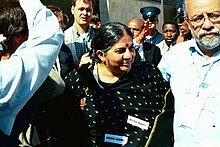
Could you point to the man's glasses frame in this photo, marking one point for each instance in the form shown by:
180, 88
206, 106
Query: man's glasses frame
199, 20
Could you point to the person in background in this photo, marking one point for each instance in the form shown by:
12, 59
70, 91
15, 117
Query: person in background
170, 32
125, 103
150, 16
192, 68
64, 62
48, 123
185, 32
145, 51
95, 21
60, 15
136, 25
78, 37
32, 49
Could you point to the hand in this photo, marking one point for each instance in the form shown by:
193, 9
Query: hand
83, 103
3, 46
145, 32
2, 40
85, 59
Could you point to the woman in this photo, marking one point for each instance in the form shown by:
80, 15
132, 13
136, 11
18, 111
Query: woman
125, 103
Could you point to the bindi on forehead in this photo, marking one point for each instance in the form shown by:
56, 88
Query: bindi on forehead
127, 44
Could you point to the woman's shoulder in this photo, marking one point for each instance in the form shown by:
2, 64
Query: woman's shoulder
78, 74
143, 66
144, 70
145, 73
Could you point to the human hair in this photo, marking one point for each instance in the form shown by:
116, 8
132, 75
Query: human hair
74, 2
55, 10
95, 19
12, 20
137, 21
106, 36
173, 23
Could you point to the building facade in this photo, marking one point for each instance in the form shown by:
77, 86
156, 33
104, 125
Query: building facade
121, 10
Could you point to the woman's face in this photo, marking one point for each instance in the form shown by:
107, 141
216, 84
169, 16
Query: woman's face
120, 57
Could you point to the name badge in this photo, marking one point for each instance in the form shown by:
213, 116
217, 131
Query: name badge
137, 122
122, 140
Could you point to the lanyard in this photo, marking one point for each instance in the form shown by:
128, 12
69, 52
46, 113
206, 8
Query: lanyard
203, 84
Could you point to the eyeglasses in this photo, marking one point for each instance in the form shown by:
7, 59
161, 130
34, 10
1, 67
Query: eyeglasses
199, 20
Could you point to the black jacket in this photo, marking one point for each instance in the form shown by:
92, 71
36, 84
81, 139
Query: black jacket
151, 53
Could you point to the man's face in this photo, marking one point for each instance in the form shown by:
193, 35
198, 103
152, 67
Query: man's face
152, 24
169, 33
135, 27
83, 12
184, 28
204, 20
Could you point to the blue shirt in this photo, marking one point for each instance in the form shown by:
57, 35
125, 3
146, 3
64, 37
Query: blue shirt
23, 73
195, 84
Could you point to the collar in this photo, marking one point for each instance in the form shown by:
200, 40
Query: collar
90, 31
195, 48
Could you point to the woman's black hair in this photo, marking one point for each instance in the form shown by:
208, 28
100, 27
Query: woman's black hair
106, 36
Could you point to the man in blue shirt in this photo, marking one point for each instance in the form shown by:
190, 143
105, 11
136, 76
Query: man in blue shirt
192, 68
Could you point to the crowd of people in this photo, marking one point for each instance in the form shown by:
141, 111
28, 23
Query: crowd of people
109, 84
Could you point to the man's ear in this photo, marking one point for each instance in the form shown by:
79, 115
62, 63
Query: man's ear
72, 10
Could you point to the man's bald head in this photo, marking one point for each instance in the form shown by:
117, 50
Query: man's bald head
136, 25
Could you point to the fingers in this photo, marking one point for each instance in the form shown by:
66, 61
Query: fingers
145, 32
2, 43
82, 103
146, 28
85, 59
86, 55
146, 24
2, 38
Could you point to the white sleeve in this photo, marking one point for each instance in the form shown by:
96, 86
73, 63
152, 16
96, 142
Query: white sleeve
164, 68
24, 72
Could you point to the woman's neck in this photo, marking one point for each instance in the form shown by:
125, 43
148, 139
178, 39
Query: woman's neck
105, 75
